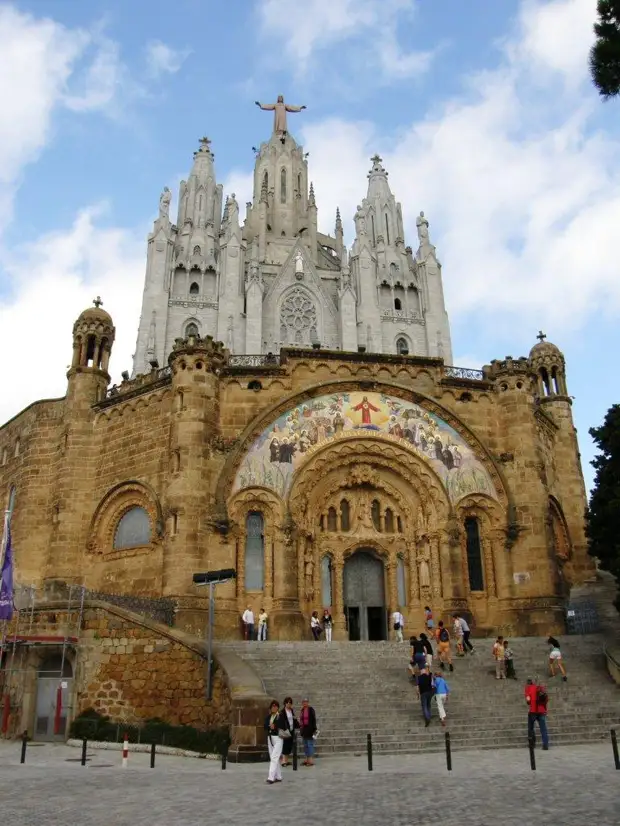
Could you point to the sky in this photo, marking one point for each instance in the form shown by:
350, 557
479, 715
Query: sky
483, 112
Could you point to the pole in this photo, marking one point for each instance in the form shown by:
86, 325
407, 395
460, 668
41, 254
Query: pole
22, 759
224, 755
448, 752
210, 641
84, 747
125, 750
294, 751
614, 746
153, 747
369, 750
58, 711
530, 741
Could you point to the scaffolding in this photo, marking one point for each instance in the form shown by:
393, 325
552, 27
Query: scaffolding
36, 691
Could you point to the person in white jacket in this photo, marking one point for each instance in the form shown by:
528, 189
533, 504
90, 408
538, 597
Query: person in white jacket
398, 623
248, 622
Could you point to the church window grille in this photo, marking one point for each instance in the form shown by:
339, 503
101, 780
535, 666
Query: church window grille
474, 554
194, 288
402, 346
345, 516
375, 511
283, 186
332, 520
191, 329
133, 529
387, 230
397, 304
326, 581
254, 551
401, 583
389, 521
298, 318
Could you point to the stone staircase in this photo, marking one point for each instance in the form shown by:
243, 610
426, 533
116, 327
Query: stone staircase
360, 688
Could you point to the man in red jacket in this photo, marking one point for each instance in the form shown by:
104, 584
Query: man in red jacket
537, 701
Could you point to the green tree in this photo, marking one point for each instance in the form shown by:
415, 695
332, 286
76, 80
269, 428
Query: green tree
605, 54
603, 517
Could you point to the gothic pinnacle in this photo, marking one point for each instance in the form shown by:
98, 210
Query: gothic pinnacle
311, 197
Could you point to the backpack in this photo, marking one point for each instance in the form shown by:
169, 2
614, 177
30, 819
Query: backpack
444, 636
542, 697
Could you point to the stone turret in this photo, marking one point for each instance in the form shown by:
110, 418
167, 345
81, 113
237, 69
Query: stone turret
93, 337
195, 364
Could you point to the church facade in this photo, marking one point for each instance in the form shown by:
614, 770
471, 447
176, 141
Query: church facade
293, 414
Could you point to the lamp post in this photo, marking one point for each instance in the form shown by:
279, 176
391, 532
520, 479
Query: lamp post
212, 578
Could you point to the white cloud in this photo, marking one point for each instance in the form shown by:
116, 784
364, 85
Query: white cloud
98, 86
163, 59
55, 278
301, 29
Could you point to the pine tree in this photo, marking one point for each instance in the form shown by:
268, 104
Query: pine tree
603, 517
605, 54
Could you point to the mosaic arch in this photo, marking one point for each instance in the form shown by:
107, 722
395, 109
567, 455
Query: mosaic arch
285, 444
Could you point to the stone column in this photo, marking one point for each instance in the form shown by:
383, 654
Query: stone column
392, 589
340, 631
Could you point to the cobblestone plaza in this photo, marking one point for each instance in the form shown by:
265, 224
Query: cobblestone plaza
570, 786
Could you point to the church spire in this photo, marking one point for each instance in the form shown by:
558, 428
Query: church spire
378, 186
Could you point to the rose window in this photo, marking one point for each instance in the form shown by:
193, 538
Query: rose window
298, 318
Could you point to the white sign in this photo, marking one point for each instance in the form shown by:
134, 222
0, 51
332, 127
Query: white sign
64, 685
570, 613
521, 578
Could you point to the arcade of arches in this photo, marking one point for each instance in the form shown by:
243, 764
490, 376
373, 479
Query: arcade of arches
367, 526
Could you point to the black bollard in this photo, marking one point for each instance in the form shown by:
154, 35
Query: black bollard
84, 747
448, 752
224, 756
24, 744
614, 746
530, 741
294, 752
153, 747
369, 750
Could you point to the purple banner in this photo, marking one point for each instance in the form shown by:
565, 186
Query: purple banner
6, 576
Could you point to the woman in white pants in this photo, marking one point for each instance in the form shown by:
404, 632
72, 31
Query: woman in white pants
327, 625
274, 744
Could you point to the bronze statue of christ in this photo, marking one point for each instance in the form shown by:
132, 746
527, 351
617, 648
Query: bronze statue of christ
280, 108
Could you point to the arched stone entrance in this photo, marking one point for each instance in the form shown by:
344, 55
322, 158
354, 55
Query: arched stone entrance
364, 596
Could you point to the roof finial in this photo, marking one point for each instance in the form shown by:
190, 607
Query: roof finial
98, 302
541, 336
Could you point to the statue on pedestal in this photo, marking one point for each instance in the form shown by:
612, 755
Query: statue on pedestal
280, 108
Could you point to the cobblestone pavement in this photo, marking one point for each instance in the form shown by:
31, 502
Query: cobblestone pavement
571, 786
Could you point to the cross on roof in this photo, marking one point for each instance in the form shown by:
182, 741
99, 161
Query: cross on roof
97, 302
541, 336
204, 142
376, 159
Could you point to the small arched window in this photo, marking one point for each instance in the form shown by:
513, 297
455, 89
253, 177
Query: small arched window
194, 288
375, 511
401, 583
254, 551
5, 456
474, 554
402, 346
191, 330
283, 186
18, 447
133, 529
11, 503
345, 516
196, 251
398, 304
372, 224
389, 521
546, 384
555, 382
332, 520
326, 581
299, 184
90, 351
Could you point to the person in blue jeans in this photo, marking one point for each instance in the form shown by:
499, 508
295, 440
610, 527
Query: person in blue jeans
537, 702
425, 693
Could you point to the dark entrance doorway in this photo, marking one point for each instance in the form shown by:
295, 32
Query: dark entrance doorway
364, 596
54, 685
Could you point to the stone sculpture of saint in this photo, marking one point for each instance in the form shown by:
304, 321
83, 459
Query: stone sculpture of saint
280, 108
422, 225
425, 576
164, 203
299, 264
233, 210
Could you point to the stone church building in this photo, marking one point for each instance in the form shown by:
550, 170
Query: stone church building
293, 413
